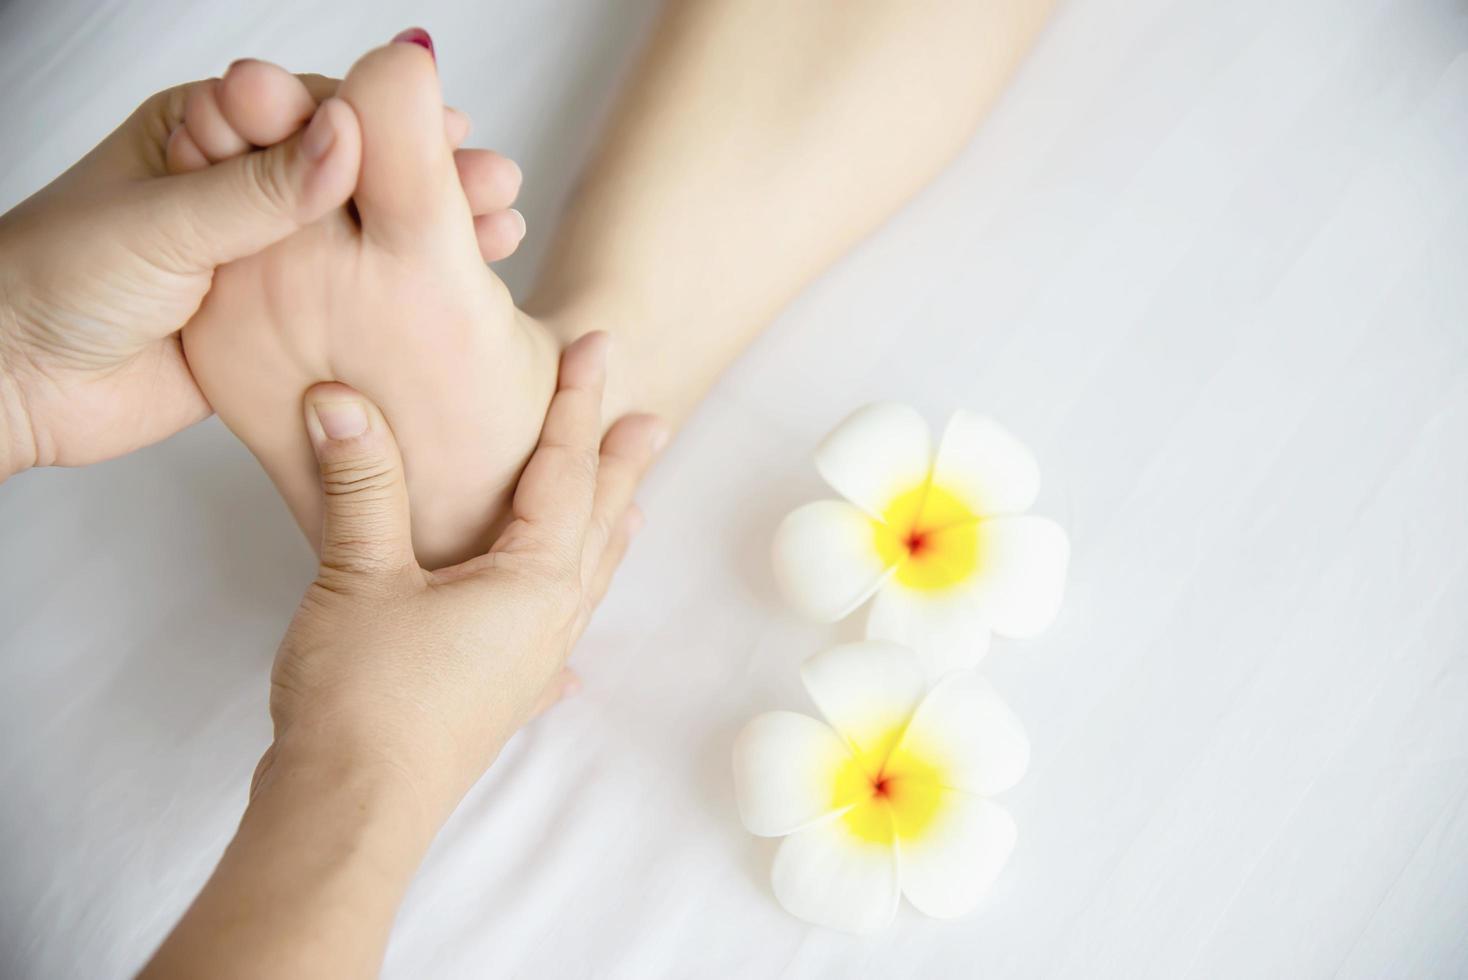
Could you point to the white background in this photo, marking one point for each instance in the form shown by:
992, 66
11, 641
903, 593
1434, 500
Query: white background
1210, 259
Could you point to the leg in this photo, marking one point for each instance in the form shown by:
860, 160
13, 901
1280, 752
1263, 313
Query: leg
756, 144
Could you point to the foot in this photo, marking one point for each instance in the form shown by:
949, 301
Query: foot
390, 296
258, 104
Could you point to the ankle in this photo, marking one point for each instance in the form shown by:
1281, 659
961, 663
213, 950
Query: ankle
565, 321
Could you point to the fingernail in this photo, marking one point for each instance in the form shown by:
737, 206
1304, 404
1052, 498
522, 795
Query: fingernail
320, 135
635, 521
659, 437
523, 226
416, 35
340, 420
572, 687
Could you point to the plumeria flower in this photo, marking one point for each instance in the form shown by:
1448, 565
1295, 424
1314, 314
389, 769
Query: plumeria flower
890, 797
935, 537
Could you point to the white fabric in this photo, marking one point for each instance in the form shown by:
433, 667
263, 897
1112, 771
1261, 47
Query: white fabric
1206, 259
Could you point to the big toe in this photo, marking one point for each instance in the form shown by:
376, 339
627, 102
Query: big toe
409, 186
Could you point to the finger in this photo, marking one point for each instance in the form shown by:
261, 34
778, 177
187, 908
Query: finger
564, 685
365, 530
491, 180
240, 206
264, 103
499, 234
205, 120
552, 502
623, 532
627, 451
182, 155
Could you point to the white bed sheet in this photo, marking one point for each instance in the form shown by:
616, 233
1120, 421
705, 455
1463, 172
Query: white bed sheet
1209, 259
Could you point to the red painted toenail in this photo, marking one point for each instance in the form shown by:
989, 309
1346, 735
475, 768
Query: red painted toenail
416, 35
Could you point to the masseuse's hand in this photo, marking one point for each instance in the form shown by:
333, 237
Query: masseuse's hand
395, 687
427, 674
102, 267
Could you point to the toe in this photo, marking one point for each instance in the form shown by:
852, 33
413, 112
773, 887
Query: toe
499, 234
491, 181
263, 102
208, 128
408, 186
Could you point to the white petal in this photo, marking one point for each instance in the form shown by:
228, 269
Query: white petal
966, 736
867, 691
981, 463
880, 451
947, 868
826, 875
826, 560
1021, 573
785, 769
946, 628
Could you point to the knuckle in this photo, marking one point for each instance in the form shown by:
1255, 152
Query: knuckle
578, 462
588, 463
267, 187
359, 478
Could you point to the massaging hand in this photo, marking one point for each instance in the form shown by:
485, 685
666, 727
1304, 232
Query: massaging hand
100, 269
427, 674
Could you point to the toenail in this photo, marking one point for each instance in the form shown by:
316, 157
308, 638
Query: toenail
416, 35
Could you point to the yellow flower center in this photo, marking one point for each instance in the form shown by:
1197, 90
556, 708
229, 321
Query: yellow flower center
891, 793
931, 536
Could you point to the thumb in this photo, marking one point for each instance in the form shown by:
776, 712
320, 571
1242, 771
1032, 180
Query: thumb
239, 206
365, 529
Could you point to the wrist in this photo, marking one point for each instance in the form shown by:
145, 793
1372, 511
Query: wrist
312, 880
388, 794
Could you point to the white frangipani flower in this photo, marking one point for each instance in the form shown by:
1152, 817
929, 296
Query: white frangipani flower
936, 537
890, 797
